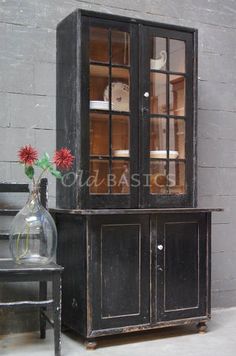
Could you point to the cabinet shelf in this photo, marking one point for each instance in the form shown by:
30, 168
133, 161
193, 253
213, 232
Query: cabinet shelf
113, 112
105, 158
102, 71
106, 111
112, 65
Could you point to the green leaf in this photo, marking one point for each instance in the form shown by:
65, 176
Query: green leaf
44, 162
29, 171
46, 155
55, 173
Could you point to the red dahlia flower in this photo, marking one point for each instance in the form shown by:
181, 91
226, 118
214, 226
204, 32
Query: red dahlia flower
28, 155
63, 158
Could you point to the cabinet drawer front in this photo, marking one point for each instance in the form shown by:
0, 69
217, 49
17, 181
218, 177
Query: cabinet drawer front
181, 266
119, 268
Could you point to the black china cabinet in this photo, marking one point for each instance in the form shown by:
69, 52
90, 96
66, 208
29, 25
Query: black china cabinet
135, 247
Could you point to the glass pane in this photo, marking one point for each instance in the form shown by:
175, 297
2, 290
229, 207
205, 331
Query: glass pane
177, 95
99, 135
159, 54
158, 177
177, 177
158, 93
158, 138
177, 138
120, 42
121, 177
177, 56
98, 178
120, 136
119, 89
99, 44
99, 79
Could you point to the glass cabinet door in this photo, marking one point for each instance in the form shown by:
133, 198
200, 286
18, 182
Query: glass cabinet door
112, 114
166, 115
126, 101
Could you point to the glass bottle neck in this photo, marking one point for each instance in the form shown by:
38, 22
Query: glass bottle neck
34, 193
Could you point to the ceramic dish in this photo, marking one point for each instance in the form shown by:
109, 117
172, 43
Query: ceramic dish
119, 96
121, 153
163, 154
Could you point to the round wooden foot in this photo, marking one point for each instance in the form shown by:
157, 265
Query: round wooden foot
202, 327
90, 344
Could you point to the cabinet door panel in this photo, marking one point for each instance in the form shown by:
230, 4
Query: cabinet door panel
109, 111
119, 271
181, 266
167, 117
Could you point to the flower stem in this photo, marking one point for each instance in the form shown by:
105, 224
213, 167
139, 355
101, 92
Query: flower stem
40, 176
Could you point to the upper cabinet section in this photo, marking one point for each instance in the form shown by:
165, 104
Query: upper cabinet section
126, 107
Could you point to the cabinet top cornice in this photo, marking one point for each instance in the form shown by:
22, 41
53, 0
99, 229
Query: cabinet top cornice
135, 20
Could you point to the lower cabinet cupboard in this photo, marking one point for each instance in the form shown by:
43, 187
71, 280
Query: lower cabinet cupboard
119, 268
128, 271
181, 257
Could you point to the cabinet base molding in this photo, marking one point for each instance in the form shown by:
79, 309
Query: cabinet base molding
135, 329
93, 343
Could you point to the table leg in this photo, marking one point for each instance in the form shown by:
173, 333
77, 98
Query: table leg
56, 290
42, 296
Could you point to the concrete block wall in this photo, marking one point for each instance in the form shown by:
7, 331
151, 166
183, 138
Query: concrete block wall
27, 99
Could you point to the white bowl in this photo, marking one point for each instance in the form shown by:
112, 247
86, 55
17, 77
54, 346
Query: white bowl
163, 154
99, 105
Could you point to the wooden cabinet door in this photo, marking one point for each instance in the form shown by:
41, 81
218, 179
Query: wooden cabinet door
182, 266
118, 271
109, 112
167, 119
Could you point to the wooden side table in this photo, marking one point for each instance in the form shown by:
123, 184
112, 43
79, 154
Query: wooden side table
12, 272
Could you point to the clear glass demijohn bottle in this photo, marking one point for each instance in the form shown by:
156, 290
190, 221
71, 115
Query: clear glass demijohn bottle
33, 233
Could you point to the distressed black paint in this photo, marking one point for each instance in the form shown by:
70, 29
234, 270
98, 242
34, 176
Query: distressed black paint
118, 278
102, 255
73, 109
